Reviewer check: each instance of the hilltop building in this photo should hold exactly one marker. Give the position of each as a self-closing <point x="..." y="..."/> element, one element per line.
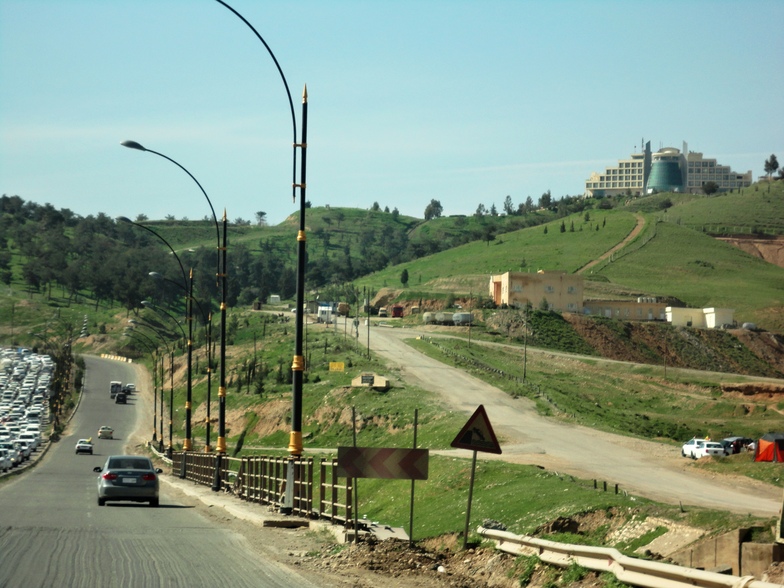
<point x="563" y="292"/>
<point x="667" y="170"/>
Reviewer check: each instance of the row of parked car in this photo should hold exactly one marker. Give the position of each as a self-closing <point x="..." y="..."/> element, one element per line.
<point x="697" y="448"/>
<point x="24" y="391"/>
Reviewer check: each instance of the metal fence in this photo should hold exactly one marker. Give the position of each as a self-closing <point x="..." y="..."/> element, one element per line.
<point x="263" y="480"/>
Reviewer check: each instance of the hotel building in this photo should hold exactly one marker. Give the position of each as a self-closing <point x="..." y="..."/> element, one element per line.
<point x="667" y="170"/>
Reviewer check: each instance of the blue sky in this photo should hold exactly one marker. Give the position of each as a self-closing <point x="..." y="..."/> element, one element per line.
<point x="462" y="101"/>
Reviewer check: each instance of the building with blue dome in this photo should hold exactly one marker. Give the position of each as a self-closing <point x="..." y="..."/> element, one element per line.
<point x="667" y="170"/>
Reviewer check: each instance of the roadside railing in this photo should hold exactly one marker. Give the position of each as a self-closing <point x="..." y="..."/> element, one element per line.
<point x="263" y="479"/>
<point x="630" y="570"/>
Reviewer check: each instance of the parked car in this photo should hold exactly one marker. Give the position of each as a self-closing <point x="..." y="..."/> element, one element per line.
<point x="735" y="444"/>
<point x="24" y="448"/>
<point x="14" y="452"/>
<point x="84" y="446"/>
<point x="691" y="446"/>
<point x="128" y="478"/>
<point x="106" y="433"/>
<point x="710" y="448"/>
<point x="5" y="460"/>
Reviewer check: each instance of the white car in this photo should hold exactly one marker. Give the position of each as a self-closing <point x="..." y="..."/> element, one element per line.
<point x="710" y="448"/>
<point x="5" y="460"/>
<point x="84" y="446"/>
<point x="691" y="447"/>
<point x="105" y="432"/>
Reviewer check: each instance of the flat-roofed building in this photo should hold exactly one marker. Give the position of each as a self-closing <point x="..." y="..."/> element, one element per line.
<point x="700" y="318"/>
<point x="562" y="291"/>
<point x="644" y="308"/>
<point x="667" y="170"/>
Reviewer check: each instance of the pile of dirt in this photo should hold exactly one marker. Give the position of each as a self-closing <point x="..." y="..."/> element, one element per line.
<point x="440" y="563"/>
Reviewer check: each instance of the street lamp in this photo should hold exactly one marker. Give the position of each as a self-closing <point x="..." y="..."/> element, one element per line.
<point x="188" y="280"/>
<point x="207" y="320"/>
<point x="154" y="355"/>
<point x="298" y="362"/>
<point x="171" y="390"/>
<point x="186" y="446"/>
<point x="222" y="275"/>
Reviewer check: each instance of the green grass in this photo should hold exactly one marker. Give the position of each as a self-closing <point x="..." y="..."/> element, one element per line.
<point x="703" y="272"/>
<point x="620" y="398"/>
<point x="466" y="268"/>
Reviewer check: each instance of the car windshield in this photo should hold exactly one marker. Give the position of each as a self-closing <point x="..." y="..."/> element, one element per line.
<point x="129" y="464"/>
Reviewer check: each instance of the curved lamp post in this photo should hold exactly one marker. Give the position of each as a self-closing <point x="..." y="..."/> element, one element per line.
<point x="207" y="319"/>
<point x="222" y="276"/>
<point x="298" y="363"/>
<point x="187" y="443"/>
<point x="171" y="389"/>
<point x="154" y="355"/>
<point x="187" y="280"/>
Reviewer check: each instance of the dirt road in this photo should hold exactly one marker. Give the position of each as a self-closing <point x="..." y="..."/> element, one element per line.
<point x="640" y="467"/>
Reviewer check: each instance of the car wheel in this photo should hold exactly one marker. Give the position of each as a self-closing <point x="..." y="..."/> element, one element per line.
<point x="101" y="501"/>
<point x="154" y="502"/>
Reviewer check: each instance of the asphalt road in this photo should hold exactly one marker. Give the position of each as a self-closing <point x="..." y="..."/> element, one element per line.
<point x="53" y="533"/>
<point x="641" y="467"/>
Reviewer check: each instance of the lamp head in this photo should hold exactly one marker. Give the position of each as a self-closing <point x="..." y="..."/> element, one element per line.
<point x="133" y="145"/>
<point x="124" y="219"/>
<point x="146" y="303"/>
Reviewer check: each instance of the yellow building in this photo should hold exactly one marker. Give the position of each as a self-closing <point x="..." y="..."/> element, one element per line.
<point x="562" y="291"/>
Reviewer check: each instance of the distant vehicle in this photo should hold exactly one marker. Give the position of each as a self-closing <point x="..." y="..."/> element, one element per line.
<point x="735" y="444"/>
<point x="128" y="478"/>
<point x="710" y="448"/>
<point x="114" y="388"/>
<point x="462" y="318"/>
<point x="382" y="312"/>
<point x="5" y="460"/>
<point x="343" y="308"/>
<point x="84" y="446"/>
<point x="121" y="398"/>
<point x="397" y="311"/>
<point x="690" y="448"/>
<point x="106" y="433"/>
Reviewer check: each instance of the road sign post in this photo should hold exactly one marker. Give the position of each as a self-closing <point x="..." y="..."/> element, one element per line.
<point x="476" y="435"/>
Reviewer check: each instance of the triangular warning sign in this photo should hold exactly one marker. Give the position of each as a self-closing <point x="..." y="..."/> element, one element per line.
<point x="477" y="434"/>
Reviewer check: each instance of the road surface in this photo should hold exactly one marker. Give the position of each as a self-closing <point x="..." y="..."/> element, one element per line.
<point x="648" y="469"/>
<point x="53" y="533"/>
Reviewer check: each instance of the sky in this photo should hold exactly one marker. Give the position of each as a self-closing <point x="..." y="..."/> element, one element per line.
<point x="460" y="101"/>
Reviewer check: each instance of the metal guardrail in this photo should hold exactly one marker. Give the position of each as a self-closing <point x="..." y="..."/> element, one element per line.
<point x="637" y="572"/>
<point x="263" y="479"/>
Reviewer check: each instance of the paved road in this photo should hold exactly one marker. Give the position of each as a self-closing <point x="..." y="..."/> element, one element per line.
<point x="584" y="452"/>
<point x="53" y="533"/>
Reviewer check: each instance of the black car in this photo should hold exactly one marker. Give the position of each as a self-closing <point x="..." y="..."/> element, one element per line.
<point x="735" y="444"/>
<point x="121" y="398"/>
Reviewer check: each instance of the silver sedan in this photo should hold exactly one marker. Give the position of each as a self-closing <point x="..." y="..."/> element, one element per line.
<point x="128" y="478"/>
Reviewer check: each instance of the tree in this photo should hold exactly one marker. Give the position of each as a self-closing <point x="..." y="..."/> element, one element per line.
<point x="493" y="211"/>
<point x="404" y="277"/>
<point x="545" y="200"/>
<point x="375" y="207"/>
<point x="480" y="210"/>
<point x="140" y="218"/>
<point x="508" y="206"/>
<point x="563" y="227"/>
<point x="433" y="210"/>
<point x="771" y="165"/>
<point x="709" y="188"/>
<point x="261" y="218"/>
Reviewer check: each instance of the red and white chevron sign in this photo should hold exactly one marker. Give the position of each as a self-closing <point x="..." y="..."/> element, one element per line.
<point x="379" y="462"/>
